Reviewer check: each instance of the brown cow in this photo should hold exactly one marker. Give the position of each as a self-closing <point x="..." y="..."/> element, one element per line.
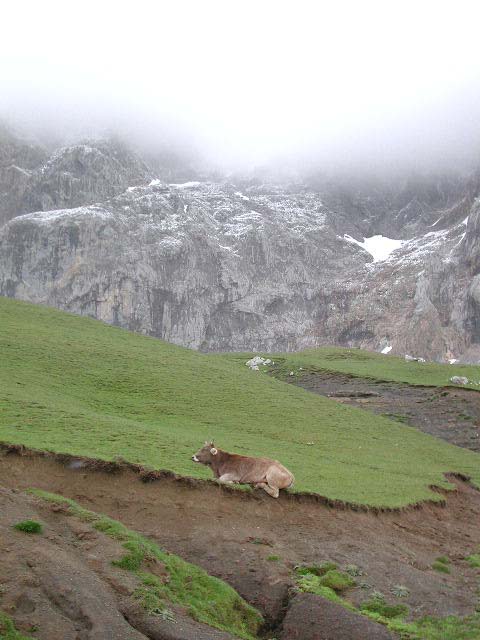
<point x="229" y="468"/>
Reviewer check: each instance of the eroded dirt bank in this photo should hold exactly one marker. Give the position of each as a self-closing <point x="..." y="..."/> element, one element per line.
<point x="253" y="542"/>
<point x="452" y="414"/>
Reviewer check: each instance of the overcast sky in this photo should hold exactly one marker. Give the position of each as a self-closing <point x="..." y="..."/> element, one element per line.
<point x="253" y="80"/>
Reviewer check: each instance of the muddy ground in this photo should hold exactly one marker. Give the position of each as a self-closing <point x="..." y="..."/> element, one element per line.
<point x="451" y="413"/>
<point x="253" y="541"/>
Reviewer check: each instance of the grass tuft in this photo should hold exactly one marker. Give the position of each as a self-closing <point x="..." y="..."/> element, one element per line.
<point x="441" y="567"/>
<point x="474" y="560"/>
<point x="29" y="526"/>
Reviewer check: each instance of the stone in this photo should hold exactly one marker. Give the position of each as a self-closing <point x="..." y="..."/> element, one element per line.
<point x="310" y="617"/>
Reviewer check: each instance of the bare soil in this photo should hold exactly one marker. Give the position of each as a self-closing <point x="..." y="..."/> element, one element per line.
<point x="61" y="585"/>
<point x="253" y="541"/>
<point x="451" y="413"/>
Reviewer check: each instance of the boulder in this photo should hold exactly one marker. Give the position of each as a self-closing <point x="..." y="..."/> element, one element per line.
<point x="310" y="617"/>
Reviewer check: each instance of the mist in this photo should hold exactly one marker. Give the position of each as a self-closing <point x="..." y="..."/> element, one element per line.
<point x="345" y="85"/>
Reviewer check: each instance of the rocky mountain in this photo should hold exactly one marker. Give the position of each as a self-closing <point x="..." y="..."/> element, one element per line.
<point x="74" y="175"/>
<point x="250" y="264"/>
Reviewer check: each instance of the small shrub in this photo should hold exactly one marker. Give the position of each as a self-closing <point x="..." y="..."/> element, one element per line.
<point x="29" y="526"/>
<point x="353" y="570"/>
<point x="380" y="607"/>
<point x="400" y="591"/>
<point x="273" y="558"/>
<point x="443" y="559"/>
<point x="364" y="585"/>
<point x="337" y="580"/>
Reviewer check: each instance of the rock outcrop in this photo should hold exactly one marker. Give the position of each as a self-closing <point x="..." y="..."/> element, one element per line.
<point x="75" y="175"/>
<point x="250" y="265"/>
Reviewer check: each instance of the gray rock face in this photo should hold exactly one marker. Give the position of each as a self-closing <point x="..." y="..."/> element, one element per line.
<point x="206" y="266"/>
<point x="217" y="266"/>
<point x="75" y="175"/>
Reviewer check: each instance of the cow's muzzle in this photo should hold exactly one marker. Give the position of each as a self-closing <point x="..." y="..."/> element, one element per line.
<point x="195" y="459"/>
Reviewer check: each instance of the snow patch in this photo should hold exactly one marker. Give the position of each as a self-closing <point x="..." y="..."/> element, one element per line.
<point x="379" y="247"/>
<point x="185" y="185"/>
<point x="386" y="350"/>
<point x="240" y="195"/>
<point x="155" y="182"/>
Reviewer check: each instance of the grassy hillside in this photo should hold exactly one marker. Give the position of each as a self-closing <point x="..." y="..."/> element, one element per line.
<point x="367" y="364"/>
<point x="74" y="385"/>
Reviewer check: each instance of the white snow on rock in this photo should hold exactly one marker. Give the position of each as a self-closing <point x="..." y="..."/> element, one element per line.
<point x="240" y="194"/>
<point x="453" y="361"/>
<point x="386" y="350"/>
<point x="155" y="182"/>
<point x="185" y="185"/>
<point x="379" y="247"/>
<point x="459" y="380"/>
<point x="254" y="363"/>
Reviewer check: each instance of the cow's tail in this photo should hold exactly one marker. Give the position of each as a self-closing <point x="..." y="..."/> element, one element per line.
<point x="292" y="482"/>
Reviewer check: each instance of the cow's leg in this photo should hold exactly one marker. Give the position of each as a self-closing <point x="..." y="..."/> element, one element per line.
<point x="272" y="491"/>
<point x="227" y="478"/>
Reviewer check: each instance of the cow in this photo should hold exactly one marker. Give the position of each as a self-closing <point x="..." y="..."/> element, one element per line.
<point x="230" y="468"/>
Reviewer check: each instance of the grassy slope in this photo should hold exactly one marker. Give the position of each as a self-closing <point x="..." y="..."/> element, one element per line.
<point x="366" y="364"/>
<point x="74" y="385"/>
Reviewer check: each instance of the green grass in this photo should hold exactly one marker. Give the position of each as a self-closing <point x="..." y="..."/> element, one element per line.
<point x="376" y="605"/>
<point x="28" y="526"/>
<point x="74" y="385"/>
<point x="206" y="598"/>
<point x="474" y="560"/>
<point x="8" y="631"/>
<point x="368" y="364"/>
<point x="441" y="567"/>
<point x="441" y="564"/>
<point x="393" y="615"/>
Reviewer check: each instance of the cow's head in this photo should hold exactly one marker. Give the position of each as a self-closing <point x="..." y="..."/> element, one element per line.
<point x="206" y="454"/>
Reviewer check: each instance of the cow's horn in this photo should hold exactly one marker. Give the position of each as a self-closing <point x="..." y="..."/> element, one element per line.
<point x="213" y="451"/>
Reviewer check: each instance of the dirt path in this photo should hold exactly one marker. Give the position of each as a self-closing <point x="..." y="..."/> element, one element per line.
<point x="253" y="541"/>
<point x="448" y="413"/>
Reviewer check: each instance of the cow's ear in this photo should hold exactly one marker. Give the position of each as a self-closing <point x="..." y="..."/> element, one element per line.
<point x="213" y="451"/>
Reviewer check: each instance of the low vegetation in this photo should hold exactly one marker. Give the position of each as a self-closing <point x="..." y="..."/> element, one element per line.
<point x="8" y="630"/>
<point x="366" y="364"/>
<point x="206" y="598"/>
<point x="29" y="526"/>
<point x="73" y="385"/>
<point x="441" y="564"/>
<point x="393" y="615"/>
<point x="474" y="560"/>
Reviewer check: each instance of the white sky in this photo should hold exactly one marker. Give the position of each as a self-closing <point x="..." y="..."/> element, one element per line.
<point x="252" y="79"/>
